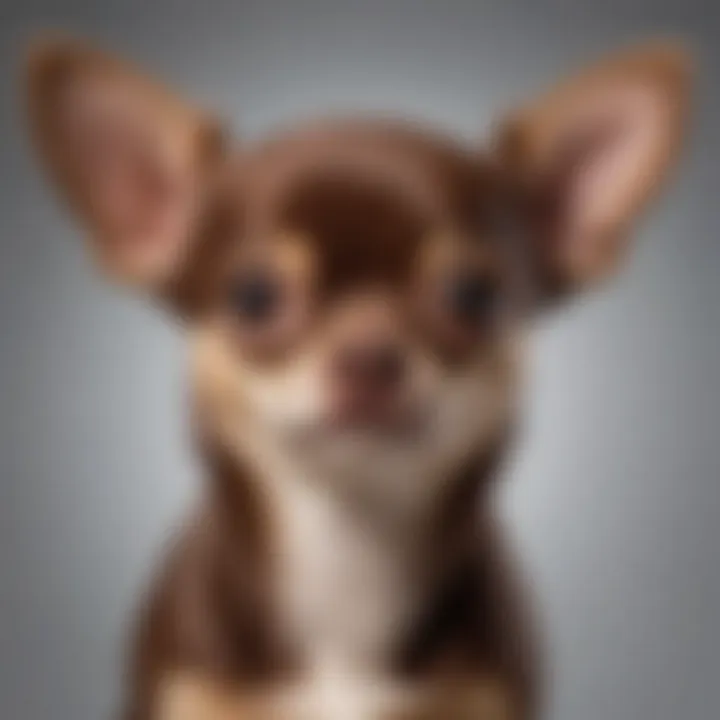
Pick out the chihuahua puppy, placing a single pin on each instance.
(355, 294)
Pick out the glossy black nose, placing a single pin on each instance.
(371, 368)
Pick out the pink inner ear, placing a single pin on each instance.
(130, 172)
(615, 141)
(118, 163)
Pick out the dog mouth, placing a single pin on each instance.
(406, 424)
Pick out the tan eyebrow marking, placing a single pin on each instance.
(444, 249)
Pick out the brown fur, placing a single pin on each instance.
(207, 615)
(345, 215)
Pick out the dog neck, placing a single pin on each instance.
(345, 585)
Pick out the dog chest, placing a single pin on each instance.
(345, 592)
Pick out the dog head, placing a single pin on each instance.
(356, 291)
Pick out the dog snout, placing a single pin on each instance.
(372, 369)
(367, 380)
(369, 366)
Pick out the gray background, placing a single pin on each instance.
(614, 493)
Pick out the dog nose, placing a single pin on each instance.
(371, 368)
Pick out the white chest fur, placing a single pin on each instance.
(346, 588)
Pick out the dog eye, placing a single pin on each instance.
(470, 297)
(256, 297)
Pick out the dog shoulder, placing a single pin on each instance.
(184, 620)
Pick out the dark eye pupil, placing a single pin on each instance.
(256, 297)
(471, 297)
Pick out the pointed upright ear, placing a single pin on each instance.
(128, 156)
(592, 152)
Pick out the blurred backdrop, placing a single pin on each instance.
(614, 493)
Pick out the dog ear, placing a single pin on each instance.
(592, 152)
(128, 156)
